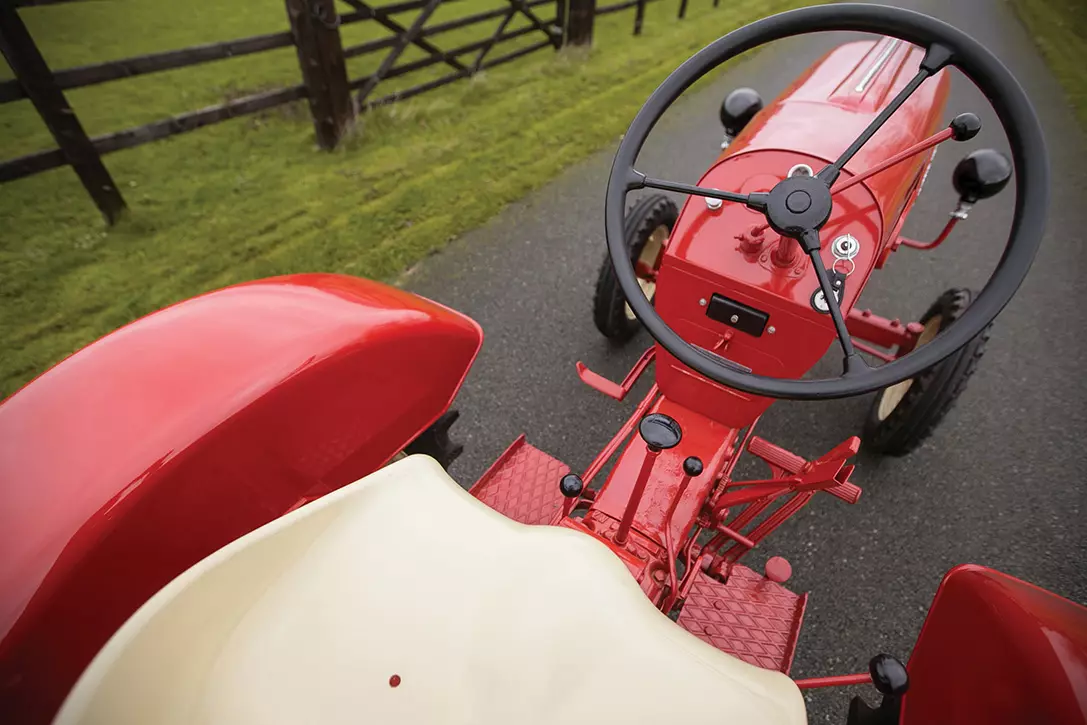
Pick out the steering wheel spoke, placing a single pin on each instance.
(936, 57)
(810, 242)
(665, 185)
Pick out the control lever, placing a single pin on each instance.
(891, 679)
(827, 473)
(660, 432)
(571, 486)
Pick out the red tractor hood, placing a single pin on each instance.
(829, 105)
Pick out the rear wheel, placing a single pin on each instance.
(645, 230)
(903, 415)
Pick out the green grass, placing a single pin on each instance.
(253, 197)
(1059, 27)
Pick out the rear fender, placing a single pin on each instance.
(997, 650)
(158, 444)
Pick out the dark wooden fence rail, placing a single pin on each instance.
(315, 35)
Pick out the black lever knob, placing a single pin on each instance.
(571, 485)
(692, 466)
(891, 679)
(889, 675)
(981, 174)
(660, 432)
(965, 126)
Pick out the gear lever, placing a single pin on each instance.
(891, 679)
(660, 432)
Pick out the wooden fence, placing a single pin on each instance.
(333, 98)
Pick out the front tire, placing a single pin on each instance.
(646, 228)
(903, 415)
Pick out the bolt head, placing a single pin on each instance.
(771, 329)
(702, 302)
(713, 204)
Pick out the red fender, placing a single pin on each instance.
(158, 444)
(997, 650)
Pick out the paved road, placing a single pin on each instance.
(1002, 483)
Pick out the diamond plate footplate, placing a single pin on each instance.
(523, 484)
(750, 617)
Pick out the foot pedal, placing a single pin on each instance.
(749, 617)
(523, 484)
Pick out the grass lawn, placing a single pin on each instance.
(253, 197)
(1059, 27)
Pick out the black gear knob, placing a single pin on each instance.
(692, 466)
(889, 675)
(965, 126)
(890, 678)
(660, 432)
(571, 485)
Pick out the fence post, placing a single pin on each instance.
(560, 20)
(33, 73)
(639, 17)
(682, 9)
(579, 22)
(315, 25)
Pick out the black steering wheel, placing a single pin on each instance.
(798, 207)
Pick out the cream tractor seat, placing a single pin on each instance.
(404, 578)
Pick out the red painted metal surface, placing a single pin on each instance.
(712, 251)
(642, 557)
(811, 683)
(869, 326)
(933, 140)
(617, 391)
(778, 569)
(523, 484)
(635, 498)
(670, 551)
(999, 651)
(158, 444)
(710, 441)
(940, 238)
(750, 617)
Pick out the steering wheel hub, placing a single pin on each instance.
(798, 204)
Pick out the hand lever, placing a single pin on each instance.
(660, 433)
(891, 679)
(571, 487)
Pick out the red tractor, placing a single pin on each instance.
(207, 515)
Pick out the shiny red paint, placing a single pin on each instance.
(711, 251)
(940, 238)
(812, 683)
(158, 444)
(881, 331)
(612, 390)
(935, 139)
(997, 650)
(712, 442)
